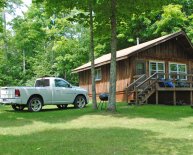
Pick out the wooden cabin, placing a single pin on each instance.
(145, 71)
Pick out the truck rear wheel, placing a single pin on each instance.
(35, 104)
(17, 107)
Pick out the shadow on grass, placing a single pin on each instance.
(94, 141)
(10, 118)
(160, 112)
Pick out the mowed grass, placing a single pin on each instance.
(148, 129)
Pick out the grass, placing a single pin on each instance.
(148, 129)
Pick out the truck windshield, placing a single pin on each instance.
(42, 83)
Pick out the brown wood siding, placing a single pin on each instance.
(170, 51)
(124, 74)
(84, 80)
(167, 52)
(103, 84)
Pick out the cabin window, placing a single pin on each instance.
(157, 67)
(178, 70)
(140, 68)
(98, 75)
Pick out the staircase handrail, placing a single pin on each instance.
(133, 83)
(141, 92)
(146, 80)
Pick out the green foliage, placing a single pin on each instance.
(155, 23)
(55, 39)
(11, 72)
(138, 26)
(53, 45)
(2, 3)
(187, 6)
(172, 20)
(189, 28)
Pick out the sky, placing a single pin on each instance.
(19, 11)
(27, 3)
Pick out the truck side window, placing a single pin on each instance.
(61, 83)
(42, 83)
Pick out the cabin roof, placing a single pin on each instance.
(127, 52)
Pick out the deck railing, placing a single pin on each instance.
(136, 82)
(130, 88)
(175, 80)
(146, 85)
(160, 82)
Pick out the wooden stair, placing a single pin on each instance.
(144, 90)
(143, 97)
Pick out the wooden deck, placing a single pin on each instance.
(174, 89)
(144, 87)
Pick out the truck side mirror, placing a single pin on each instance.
(69, 86)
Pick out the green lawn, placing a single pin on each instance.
(148, 129)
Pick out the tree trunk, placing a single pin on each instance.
(24, 64)
(5, 35)
(112, 88)
(92, 57)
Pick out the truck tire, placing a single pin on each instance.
(17, 107)
(35, 104)
(62, 106)
(80, 102)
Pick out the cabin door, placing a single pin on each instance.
(140, 67)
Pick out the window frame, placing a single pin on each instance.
(42, 83)
(137, 72)
(177, 72)
(67, 84)
(157, 71)
(98, 74)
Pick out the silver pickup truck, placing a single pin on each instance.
(47, 91)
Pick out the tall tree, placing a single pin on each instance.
(102, 13)
(112, 88)
(86, 7)
(56, 43)
(6, 7)
(92, 55)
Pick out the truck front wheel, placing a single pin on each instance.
(80, 101)
(35, 104)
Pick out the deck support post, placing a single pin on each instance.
(174, 97)
(191, 98)
(126, 95)
(157, 94)
(136, 97)
(157, 97)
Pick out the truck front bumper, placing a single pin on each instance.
(10, 101)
